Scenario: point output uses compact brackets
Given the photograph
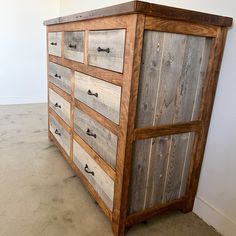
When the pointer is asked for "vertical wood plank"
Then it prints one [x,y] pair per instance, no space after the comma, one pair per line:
[142,150]
[174,171]
[173,58]
[150,76]
[157,171]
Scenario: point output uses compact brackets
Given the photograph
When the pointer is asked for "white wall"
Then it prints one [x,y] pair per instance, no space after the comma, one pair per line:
[216,198]
[23,49]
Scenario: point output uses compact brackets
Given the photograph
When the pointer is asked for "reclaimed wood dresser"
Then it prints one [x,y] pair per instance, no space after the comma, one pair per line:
[130,95]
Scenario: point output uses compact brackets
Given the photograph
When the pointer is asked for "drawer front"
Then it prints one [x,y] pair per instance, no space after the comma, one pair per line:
[100,181]
[60,76]
[61,135]
[60,106]
[106,49]
[102,96]
[54,43]
[74,46]
[99,138]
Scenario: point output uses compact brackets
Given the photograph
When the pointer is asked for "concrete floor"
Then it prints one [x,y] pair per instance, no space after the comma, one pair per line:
[39,195]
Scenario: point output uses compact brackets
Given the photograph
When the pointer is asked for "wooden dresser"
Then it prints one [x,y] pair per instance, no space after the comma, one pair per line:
[130,95]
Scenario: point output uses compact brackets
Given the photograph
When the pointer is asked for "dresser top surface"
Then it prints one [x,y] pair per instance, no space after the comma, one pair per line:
[149,9]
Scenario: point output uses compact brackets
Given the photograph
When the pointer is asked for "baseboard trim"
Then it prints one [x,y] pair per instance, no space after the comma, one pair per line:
[22,100]
[214,217]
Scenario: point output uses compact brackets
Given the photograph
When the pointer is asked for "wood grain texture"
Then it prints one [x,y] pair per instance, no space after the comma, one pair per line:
[60,76]
[60,134]
[171,82]
[54,43]
[108,124]
[153,23]
[210,86]
[106,75]
[111,40]
[101,96]
[60,106]
[159,170]
[154,211]
[100,181]
[88,186]
[59,120]
[149,9]
[105,142]
[163,130]
[108,169]
[59,91]
[178,154]
[74,46]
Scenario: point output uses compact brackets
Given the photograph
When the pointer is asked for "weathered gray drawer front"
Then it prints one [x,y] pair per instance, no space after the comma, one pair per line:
[106,49]
[74,46]
[60,106]
[61,135]
[99,138]
[102,96]
[54,43]
[100,181]
[60,76]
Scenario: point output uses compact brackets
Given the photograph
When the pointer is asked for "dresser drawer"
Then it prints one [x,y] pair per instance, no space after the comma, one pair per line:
[60,76]
[100,181]
[60,106]
[106,49]
[54,43]
[99,138]
[102,96]
[74,46]
[61,135]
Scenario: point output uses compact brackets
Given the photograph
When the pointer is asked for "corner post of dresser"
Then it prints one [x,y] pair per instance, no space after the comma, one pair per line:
[133,53]
[209,91]
[49,133]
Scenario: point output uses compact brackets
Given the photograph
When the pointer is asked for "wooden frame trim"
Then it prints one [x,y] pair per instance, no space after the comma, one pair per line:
[127,118]
[59,120]
[106,75]
[174,26]
[108,169]
[164,130]
[83,179]
[215,60]
[114,22]
[59,91]
[108,124]
[154,211]
[86,47]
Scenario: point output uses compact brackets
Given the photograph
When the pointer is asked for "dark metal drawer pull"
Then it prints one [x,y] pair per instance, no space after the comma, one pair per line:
[57,132]
[89,133]
[72,46]
[53,44]
[57,105]
[86,169]
[92,94]
[99,49]
[57,76]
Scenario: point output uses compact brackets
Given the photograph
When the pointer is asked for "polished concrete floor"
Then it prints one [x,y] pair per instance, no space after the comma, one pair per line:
[40,196]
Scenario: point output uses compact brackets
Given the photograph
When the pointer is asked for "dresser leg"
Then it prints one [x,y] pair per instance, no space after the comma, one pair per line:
[49,136]
[119,230]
